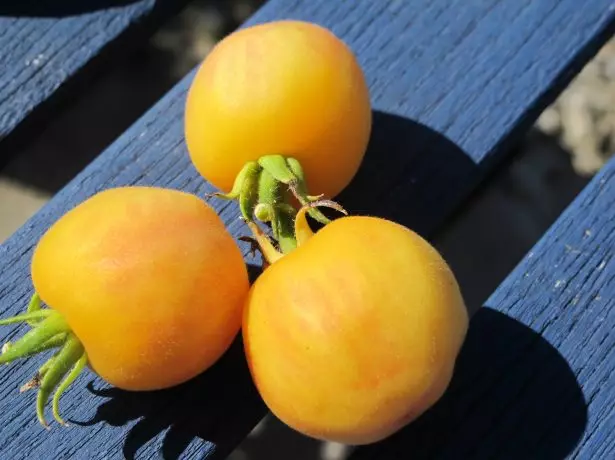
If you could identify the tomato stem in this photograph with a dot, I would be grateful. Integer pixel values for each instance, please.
(273, 209)
(303, 232)
(270, 253)
(262, 189)
(269, 194)
(289, 171)
(287, 240)
(49, 330)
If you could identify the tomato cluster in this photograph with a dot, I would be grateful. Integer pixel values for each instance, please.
(350, 333)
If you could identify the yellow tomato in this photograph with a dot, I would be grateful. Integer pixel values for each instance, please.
(356, 332)
(148, 279)
(285, 87)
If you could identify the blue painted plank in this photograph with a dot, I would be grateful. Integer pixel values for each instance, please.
(536, 377)
(417, 56)
(45, 44)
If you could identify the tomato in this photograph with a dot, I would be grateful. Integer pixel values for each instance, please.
(356, 332)
(285, 87)
(148, 280)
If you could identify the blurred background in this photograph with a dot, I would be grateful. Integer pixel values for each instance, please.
(569, 143)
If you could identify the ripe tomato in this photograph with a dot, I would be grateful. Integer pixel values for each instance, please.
(356, 332)
(147, 279)
(285, 87)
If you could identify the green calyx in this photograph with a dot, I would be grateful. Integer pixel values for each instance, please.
(262, 190)
(301, 231)
(49, 330)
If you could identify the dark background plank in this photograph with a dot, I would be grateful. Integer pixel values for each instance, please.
(428, 63)
(46, 44)
(536, 377)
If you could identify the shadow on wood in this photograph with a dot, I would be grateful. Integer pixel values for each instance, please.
(202, 409)
(513, 396)
(406, 160)
(502, 220)
(57, 8)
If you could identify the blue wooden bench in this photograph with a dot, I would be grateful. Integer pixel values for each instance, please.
(52, 49)
(535, 378)
(454, 85)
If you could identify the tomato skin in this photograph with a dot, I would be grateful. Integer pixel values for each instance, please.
(355, 333)
(148, 279)
(285, 87)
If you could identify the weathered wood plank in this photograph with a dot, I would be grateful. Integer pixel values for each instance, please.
(536, 378)
(453, 83)
(46, 44)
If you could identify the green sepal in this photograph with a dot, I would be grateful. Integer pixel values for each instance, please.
(248, 194)
(32, 340)
(238, 184)
(49, 330)
(70, 378)
(34, 305)
(277, 166)
(299, 189)
(62, 362)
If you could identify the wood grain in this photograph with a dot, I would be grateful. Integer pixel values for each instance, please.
(536, 376)
(46, 44)
(453, 85)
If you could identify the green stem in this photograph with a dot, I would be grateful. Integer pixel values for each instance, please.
(297, 169)
(269, 194)
(286, 229)
(273, 209)
(262, 188)
(270, 253)
(302, 229)
(288, 171)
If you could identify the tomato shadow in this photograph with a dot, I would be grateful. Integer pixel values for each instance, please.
(211, 413)
(409, 174)
(58, 8)
(513, 396)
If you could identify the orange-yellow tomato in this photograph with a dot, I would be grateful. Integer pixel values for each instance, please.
(356, 332)
(148, 279)
(285, 87)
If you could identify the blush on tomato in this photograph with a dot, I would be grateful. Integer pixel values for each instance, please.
(356, 332)
(144, 284)
(285, 87)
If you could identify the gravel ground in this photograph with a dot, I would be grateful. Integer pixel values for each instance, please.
(583, 117)
(570, 142)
